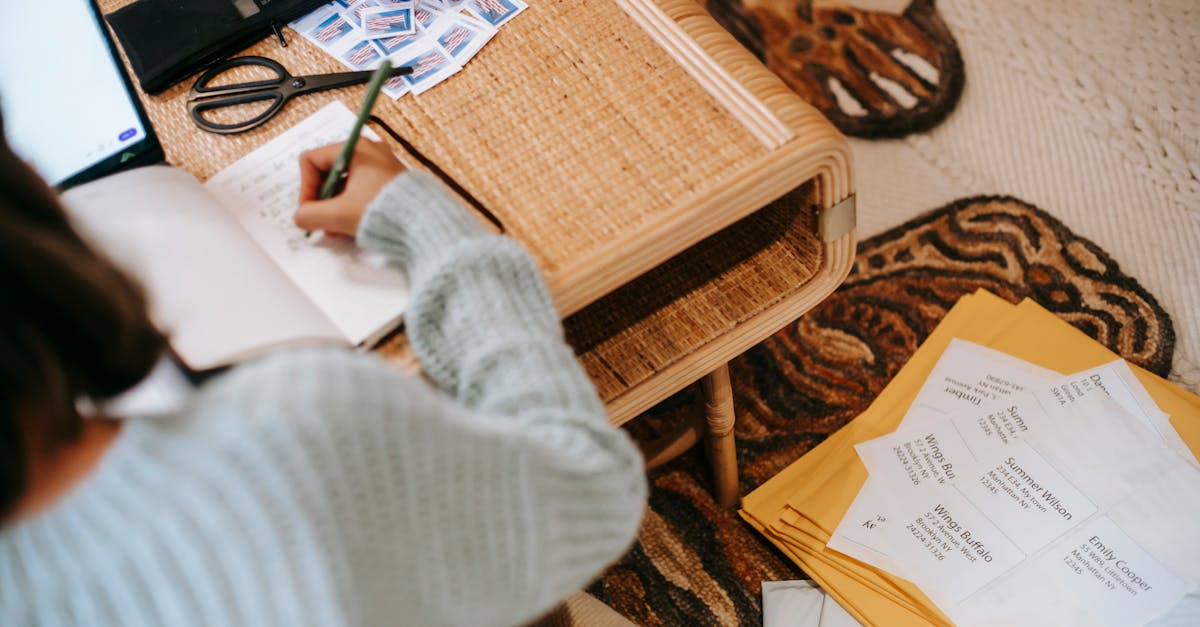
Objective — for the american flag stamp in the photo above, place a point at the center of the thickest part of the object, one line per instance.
(354, 13)
(395, 87)
(395, 43)
(384, 21)
(331, 30)
(431, 65)
(362, 56)
(445, 5)
(426, 13)
(496, 12)
(464, 38)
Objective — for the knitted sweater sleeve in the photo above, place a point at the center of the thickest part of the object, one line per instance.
(509, 490)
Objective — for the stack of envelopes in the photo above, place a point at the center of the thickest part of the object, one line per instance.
(1017, 475)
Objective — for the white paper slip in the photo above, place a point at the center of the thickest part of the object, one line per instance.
(1024, 495)
(1114, 578)
(1114, 379)
(1096, 575)
(968, 375)
(1021, 417)
(1117, 380)
(913, 458)
(1040, 414)
(860, 532)
(948, 547)
(1105, 451)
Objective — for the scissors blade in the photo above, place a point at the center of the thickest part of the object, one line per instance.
(320, 82)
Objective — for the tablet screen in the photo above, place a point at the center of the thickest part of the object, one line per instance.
(68, 107)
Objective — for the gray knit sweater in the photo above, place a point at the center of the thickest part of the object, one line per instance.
(322, 487)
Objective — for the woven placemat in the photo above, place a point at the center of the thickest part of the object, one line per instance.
(695, 563)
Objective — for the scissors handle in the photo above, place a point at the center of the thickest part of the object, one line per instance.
(278, 90)
(205, 97)
(201, 90)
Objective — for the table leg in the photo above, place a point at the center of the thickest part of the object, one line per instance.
(718, 437)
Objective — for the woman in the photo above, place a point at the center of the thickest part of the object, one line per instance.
(313, 487)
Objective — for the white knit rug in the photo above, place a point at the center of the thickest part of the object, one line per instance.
(1087, 110)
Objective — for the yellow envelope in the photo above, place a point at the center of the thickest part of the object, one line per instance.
(798, 509)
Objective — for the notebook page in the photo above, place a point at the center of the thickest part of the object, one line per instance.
(359, 293)
(210, 287)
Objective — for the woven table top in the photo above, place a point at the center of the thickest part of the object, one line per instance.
(630, 146)
(600, 134)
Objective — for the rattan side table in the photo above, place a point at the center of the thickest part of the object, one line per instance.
(681, 201)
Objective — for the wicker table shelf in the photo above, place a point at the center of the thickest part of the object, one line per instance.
(681, 201)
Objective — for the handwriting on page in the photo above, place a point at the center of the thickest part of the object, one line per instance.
(357, 292)
(272, 185)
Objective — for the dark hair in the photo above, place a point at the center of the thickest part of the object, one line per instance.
(71, 324)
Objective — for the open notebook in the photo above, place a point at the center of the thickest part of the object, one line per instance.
(228, 273)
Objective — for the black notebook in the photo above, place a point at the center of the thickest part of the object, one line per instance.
(166, 40)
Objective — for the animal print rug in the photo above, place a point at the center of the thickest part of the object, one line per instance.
(872, 73)
(695, 563)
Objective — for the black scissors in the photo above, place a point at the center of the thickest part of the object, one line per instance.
(279, 90)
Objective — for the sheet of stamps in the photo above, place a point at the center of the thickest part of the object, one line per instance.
(434, 37)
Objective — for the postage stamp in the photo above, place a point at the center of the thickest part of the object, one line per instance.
(362, 56)
(464, 38)
(496, 12)
(354, 13)
(426, 15)
(392, 45)
(331, 30)
(431, 65)
(385, 21)
(395, 87)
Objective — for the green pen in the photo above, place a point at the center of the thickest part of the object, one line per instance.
(337, 175)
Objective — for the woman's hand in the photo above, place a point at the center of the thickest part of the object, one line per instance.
(371, 167)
